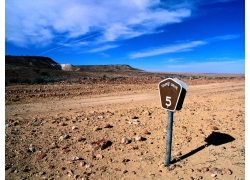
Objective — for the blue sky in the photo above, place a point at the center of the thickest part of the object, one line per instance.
(194, 36)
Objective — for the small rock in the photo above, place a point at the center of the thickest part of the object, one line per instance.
(178, 153)
(32, 148)
(81, 139)
(62, 124)
(213, 175)
(134, 117)
(205, 169)
(70, 173)
(88, 166)
(41, 173)
(96, 128)
(146, 132)
(200, 177)
(40, 156)
(136, 121)
(215, 170)
(125, 171)
(100, 144)
(74, 127)
(214, 128)
(82, 163)
(64, 137)
(227, 171)
(105, 125)
(74, 158)
(125, 140)
(138, 138)
(99, 156)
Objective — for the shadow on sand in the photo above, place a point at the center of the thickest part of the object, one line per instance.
(216, 139)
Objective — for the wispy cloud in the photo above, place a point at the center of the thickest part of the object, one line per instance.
(230, 66)
(224, 37)
(167, 49)
(42, 23)
(181, 47)
(103, 48)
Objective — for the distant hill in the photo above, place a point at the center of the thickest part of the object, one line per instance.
(39, 69)
(99, 68)
(32, 61)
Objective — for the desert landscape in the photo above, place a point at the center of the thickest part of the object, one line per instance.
(107, 123)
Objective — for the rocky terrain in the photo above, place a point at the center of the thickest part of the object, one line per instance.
(113, 127)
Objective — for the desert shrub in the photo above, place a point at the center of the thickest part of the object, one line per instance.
(38, 81)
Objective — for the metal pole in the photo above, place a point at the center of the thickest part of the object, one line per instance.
(169, 137)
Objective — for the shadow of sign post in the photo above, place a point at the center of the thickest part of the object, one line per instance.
(216, 139)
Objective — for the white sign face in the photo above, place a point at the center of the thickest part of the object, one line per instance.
(172, 93)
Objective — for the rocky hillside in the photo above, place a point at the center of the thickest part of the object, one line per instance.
(32, 61)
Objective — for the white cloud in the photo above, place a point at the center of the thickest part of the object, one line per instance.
(44, 22)
(230, 66)
(168, 49)
(180, 47)
(103, 48)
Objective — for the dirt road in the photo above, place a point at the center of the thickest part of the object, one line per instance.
(53, 139)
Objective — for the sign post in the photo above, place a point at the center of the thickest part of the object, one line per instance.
(172, 93)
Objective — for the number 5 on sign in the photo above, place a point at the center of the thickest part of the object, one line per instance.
(168, 101)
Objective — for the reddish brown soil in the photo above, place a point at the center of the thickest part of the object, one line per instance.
(76, 132)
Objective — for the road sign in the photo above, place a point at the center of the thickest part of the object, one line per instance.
(172, 93)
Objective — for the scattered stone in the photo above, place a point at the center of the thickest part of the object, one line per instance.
(214, 128)
(64, 137)
(227, 171)
(198, 170)
(88, 166)
(125, 140)
(41, 173)
(205, 169)
(31, 148)
(81, 139)
(96, 128)
(124, 172)
(82, 163)
(74, 158)
(70, 173)
(74, 127)
(134, 117)
(138, 138)
(178, 153)
(99, 156)
(62, 124)
(117, 169)
(136, 121)
(53, 146)
(215, 170)
(105, 125)
(100, 144)
(213, 175)
(146, 132)
(40, 156)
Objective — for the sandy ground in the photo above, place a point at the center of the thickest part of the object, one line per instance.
(122, 135)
